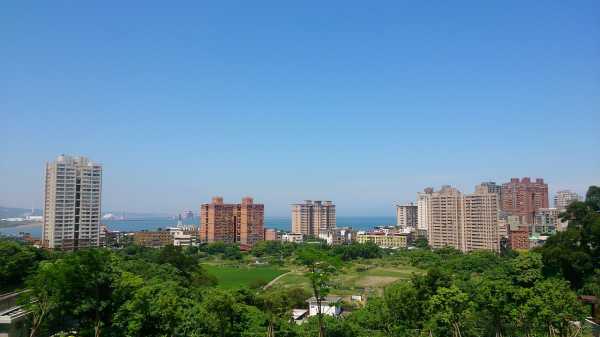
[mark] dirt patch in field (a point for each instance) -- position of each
(375, 281)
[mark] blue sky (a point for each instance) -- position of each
(363, 103)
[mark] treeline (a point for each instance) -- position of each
(280, 250)
(164, 292)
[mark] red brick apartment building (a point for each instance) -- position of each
(232, 223)
(524, 197)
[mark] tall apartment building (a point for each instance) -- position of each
(480, 220)
(423, 211)
(72, 203)
(313, 217)
(524, 197)
(491, 187)
(232, 223)
(445, 209)
(407, 215)
(466, 222)
(564, 198)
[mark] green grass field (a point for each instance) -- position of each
(234, 277)
(353, 280)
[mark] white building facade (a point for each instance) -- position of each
(73, 190)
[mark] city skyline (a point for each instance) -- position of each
(363, 104)
(388, 210)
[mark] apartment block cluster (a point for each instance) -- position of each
(516, 212)
(317, 219)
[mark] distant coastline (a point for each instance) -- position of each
(10, 224)
(139, 224)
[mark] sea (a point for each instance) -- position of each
(133, 225)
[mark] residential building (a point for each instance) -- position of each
(502, 228)
(153, 239)
(176, 236)
(73, 190)
(110, 238)
(479, 224)
(338, 236)
(272, 234)
(292, 237)
(491, 187)
(537, 240)
(423, 211)
(564, 198)
(313, 217)
(407, 215)
(184, 238)
(299, 316)
(547, 221)
(514, 222)
(330, 306)
(385, 239)
(232, 223)
(524, 197)
(445, 207)
(519, 238)
(464, 221)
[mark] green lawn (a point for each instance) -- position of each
(372, 277)
(234, 277)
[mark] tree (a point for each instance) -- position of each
(495, 305)
(553, 307)
(527, 268)
(422, 242)
(225, 316)
(398, 317)
(575, 253)
(43, 297)
(155, 309)
(320, 269)
(17, 261)
(277, 305)
(592, 198)
(450, 310)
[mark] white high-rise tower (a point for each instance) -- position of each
(72, 203)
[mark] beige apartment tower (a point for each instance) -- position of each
(564, 198)
(423, 211)
(232, 223)
(72, 203)
(406, 215)
(466, 222)
(445, 209)
(313, 217)
(480, 220)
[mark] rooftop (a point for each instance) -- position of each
(326, 299)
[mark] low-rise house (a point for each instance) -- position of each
(338, 236)
(272, 234)
(330, 305)
(292, 237)
(299, 315)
